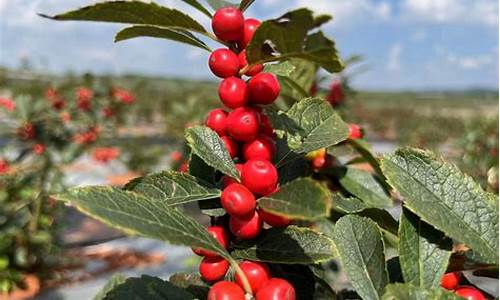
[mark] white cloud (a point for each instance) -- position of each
(418, 35)
(451, 11)
(466, 62)
(394, 57)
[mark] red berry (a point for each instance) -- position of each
(469, 293)
(355, 131)
(263, 147)
(243, 124)
(228, 24)
(216, 120)
(336, 94)
(231, 146)
(264, 88)
(221, 235)
(257, 274)
(249, 29)
(226, 290)
(233, 92)
(39, 149)
(213, 269)
(274, 220)
(246, 228)
(276, 288)
(243, 63)
(224, 63)
(259, 176)
(4, 166)
(450, 281)
(237, 200)
(265, 126)
(226, 180)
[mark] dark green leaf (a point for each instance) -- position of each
(212, 208)
(178, 35)
(208, 146)
(301, 277)
(244, 4)
(136, 214)
(365, 187)
(293, 170)
(321, 19)
(133, 12)
(347, 205)
(303, 78)
(199, 7)
(173, 188)
(289, 200)
(361, 249)
(399, 291)
(199, 169)
(287, 37)
(424, 252)
(148, 288)
(191, 282)
(362, 149)
(292, 245)
(445, 198)
(115, 280)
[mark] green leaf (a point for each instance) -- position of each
(424, 252)
(216, 4)
(287, 37)
(303, 78)
(148, 287)
(399, 291)
(132, 12)
(347, 205)
(284, 68)
(321, 125)
(244, 4)
(292, 245)
(112, 283)
(137, 214)
(191, 282)
(289, 200)
(362, 149)
(359, 243)
(178, 35)
(365, 187)
(199, 169)
(208, 146)
(199, 7)
(444, 197)
(173, 188)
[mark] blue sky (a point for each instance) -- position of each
(407, 44)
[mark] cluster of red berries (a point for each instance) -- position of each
(87, 137)
(451, 281)
(105, 154)
(8, 104)
(4, 166)
(249, 138)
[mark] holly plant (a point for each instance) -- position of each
(282, 205)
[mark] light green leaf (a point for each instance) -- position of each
(303, 78)
(289, 200)
(132, 12)
(191, 282)
(208, 146)
(292, 245)
(216, 4)
(148, 287)
(400, 291)
(137, 214)
(444, 197)
(177, 35)
(424, 252)
(173, 188)
(347, 205)
(115, 280)
(287, 37)
(362, 148)
(365, 187)
(199, 7)
(284, 68)
(359, 243)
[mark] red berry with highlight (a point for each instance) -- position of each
(276, 288)
(243, 124)
(355, 131)
(259, 176)
(257, 274)
(246, 228)
(231, 146)
(274, 220)
(233, 92)
(249, 29)
(469, 293)
(213, 269)
(228, 24)
(263, 147)
(450, 281)
(224, 63)
(264, 88)
(237, 200)
(226, 290)
(221, 235)
(226, 180)
(243, 63)
(216, 120)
